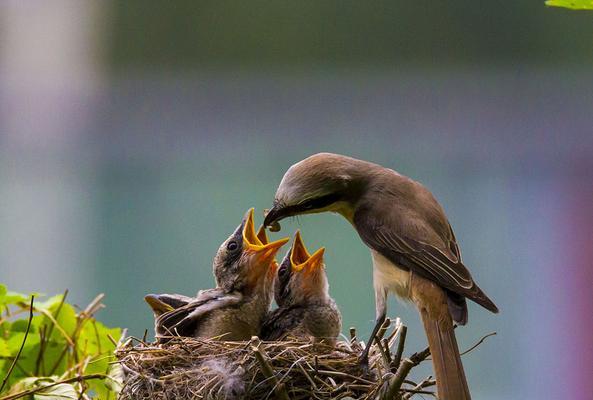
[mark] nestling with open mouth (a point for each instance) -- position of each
(305, 308)
(234, 310)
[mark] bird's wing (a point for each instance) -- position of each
(281, 322)
(183, 321)
(442, 267)
(174, 300)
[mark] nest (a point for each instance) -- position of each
(196, 368)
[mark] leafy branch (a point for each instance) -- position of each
(57, 351)
(571, 4)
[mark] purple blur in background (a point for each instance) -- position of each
(134, 136)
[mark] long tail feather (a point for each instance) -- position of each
(451, 382)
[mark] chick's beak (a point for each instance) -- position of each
(301, 260)
(298, 253)
(156, 304)
(253, 241)
(269, 250)
(316, 260)
(262, 235)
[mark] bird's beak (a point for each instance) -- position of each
(158, 306)
(300, 259)
(253, 241)
(316, 260)
(298, 253)
(274, 215)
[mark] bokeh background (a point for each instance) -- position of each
(134, 135)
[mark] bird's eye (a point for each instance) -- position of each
(232, 245)
(307, 205)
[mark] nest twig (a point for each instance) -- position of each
(198, 368)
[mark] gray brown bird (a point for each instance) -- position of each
(235, 308)
(414, 251)
(162, 303)
(305, 308)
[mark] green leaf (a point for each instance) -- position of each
(572, 4)
(58, 392)
(4, 350)
(16, 339)
(27, 383)
(94, 336)
(50, 304)
(94, 340)
(20, 325)
(27, 360)
(116, 378)
(67, 320)
(51, 355)
(11, 298)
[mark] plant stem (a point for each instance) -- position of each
(22, 345)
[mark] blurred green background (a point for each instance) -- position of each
(134, 136)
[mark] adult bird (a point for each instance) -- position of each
(414, 251)
(305, 308)
(235, 308)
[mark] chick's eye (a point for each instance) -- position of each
(283, 270)
(232, 245)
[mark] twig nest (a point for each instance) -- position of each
(195, 368)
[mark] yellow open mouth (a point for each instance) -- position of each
(301, 259)
(258, 242)
(262, 235)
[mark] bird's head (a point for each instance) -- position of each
(243, 261)
(301, 276)
(157, 305)
(321, 182)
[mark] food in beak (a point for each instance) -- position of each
(274, 226)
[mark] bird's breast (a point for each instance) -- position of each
(235, 323)
(228, 322)
(390, 277)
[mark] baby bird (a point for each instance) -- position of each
(162, 303)
(305, 308)
(234, 309)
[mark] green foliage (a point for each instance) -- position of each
(572, 4)
(55, 391)
(66, 354)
